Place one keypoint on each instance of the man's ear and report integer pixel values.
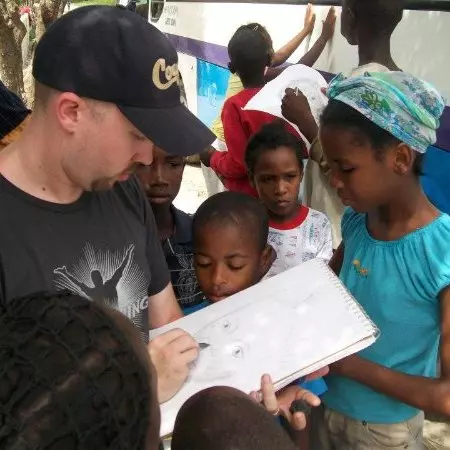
(268, 257)
(67, 106)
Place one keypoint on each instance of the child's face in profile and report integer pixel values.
(364, 180)
(277, 177)
(228, 259)
(162, 179)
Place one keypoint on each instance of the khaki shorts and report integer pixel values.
(331, 430)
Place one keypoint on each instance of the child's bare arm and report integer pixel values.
(337, 260)
(310, 57)
(283, 54)
(428, 394)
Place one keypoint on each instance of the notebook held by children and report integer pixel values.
(288, 326)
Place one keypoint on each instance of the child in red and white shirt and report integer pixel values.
(297, 233)
(250, 55)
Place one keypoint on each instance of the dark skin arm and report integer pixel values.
(337, 260)
(205, 156)
(310, 57)
(283, 54)
(296, 109)
(427, 394)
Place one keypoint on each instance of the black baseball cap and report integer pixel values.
(113, 55)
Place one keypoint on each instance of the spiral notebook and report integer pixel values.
(288, 326)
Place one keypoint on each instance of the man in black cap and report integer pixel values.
(73, 215)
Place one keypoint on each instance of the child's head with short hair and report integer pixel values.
(230, 244)
(265, 34)
(275, 165)
(74, 375)
(374, 132)
(375, 18)
(229, 419)
(162, 179)
(249, 54)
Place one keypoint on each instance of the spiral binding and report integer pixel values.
(351, 302)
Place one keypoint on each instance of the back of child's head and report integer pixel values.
(271, 137)
(223, 418)
(263, 30)
(249, 54)
(72, 377)
(375, 17)
(234, 209)
(386, 109)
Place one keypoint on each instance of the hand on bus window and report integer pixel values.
(329, 24)
(310, 19)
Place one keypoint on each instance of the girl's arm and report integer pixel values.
(285, 52)
(309, 58)
(428, 394)
(229, 164)
(337, 260)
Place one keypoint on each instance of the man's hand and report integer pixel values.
(329, 25)
(205, 157)
(310, 19)
(295, 108)
(171, 354)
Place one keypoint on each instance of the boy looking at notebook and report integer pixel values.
(275, 165)
(231, 252)
(161, 181)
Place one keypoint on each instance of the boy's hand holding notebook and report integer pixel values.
(289, 326)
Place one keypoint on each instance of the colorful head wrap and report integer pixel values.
(401, 104)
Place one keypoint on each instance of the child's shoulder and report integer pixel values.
(318, 216)
(182, 217)
(438, 232)
(183, 226)
(241, 98)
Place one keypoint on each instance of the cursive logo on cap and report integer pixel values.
(171, 74)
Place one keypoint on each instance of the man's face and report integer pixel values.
(104, 147)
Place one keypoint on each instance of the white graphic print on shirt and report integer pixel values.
(310, 239)
(110, 278)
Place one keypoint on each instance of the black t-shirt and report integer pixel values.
(104, 246)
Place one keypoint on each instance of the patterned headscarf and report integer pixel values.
(401, 104)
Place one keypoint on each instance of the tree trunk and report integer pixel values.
(46, 12)
(12, 32)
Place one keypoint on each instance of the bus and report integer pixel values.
(200, 31)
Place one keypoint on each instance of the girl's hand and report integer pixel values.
(295, 108)
(310, 19)
(329, 24)
(279, 404)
